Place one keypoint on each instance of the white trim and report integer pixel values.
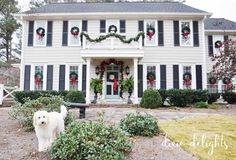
(44, 77)
(144, 77)
(158, 76)
(204, 55)
(22, 69)
(88, 62)
(220, 31)
(181, 76)
(35, 36)
(193, 71)
(145, 31)
(79, 25)
(67, 81)
(80, 77)
(135, 61)
(32, 82)
(191, 33)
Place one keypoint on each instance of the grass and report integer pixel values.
(206, 137)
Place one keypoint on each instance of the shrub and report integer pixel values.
(140, 124)
(200, 105)
(24, 112)
(230, 97)
(75, 97)
(90, 140)
(212, 97)
(163, 94)
(151, 99)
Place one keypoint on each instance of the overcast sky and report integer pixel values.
(219, 8)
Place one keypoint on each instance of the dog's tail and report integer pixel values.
(63, 111)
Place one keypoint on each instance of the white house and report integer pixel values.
(65, 45)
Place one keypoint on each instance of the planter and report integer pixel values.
(129, 100)
(95, 97)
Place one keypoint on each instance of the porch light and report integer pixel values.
(127, 71)
(97, 70)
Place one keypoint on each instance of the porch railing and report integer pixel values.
(7, 92)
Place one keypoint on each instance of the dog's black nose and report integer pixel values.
(42, 122)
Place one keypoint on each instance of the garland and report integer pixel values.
(38, 78)
(150, 32)
(185, 32)
(73, 78)
(74, 31)
(112, 29)
(121, 38)
(212, 80)
(218, 44)
(40, 32)
(151, 77)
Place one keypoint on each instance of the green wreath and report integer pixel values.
(38, 74)
(226, 79)
(73, 75)
(149, 74)
(40, 32)
(187, 74)
(111, 27)
(185, 31)
(212, 80)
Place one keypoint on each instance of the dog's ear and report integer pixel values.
(34, 119)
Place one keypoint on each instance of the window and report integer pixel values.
(40, 33)
(185, 34)
(212, 84)
(151, 33)
(122, 26)
(38, 78)
(187, 77)
(74, 30)
(151, 77)
(102, 26)
(74, 77)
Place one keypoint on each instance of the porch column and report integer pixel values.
(88, 81)
(135, 100)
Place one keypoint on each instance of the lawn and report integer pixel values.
(206, 137)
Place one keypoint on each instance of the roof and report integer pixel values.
(170, 7)
(219, 24)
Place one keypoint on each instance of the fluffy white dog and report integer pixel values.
(48, 125)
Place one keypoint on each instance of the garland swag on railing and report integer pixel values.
(120, 37)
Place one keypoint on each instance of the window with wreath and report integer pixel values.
(185, 34)
(40, 33)
(74, 70)
(38, 78)
(212, 83)
(187, 77)
(74, 32)
(151, 33)
(151, 77)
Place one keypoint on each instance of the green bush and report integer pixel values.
(230, 97)
(200, 105)
(212, 97)
(92, 141)
(140, 124)
(24, 112)
(75, 97)
(151, 99)
(186, 97)
(163, 94)
(24, 96)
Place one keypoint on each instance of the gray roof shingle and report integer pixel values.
(219, 24)
(171, 7)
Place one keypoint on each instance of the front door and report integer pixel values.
(112, 82)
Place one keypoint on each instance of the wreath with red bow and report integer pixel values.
(185, 32)
(150, 32)
(73, 78)
(218, 44)
(187, 77)
(40, 32)
(38, 78)
(74, 31)
(151, 77)
(212, 80)
(112, 28)
(227, 82)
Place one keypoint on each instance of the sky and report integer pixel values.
(219, 8)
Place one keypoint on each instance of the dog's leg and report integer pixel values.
(41, 144)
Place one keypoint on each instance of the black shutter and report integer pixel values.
(195, 34)
(199, 76)
(62, 74)
(160, 33)
(141, 28)
(85, 25)
(176, 76)
(27, 78)
(31, 33)
(49, 34)
(140, 80)
(210, 45)
(176, 33)
(102, 26)
(163, 76)
(84, 72)
(65, 33)
(49, 77)
(122, 26)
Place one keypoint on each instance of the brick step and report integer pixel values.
(113, 105)
(8, 102)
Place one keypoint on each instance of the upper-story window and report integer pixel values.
(112, 26)
(102, 26)
(74, 32)
(186, 33)
(40, 33)
(151, 33)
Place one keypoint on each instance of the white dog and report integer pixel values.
(48, 125)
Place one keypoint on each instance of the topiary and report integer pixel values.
(151, 99)
(230, 97)
(91, 140)
(75, 97)
(212, 97)
(140, 124)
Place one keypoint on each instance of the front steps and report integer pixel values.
(8, 102)
(114, 105)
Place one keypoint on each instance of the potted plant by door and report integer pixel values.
(96, 86)
(128, 85)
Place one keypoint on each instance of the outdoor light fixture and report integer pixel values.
(97, 70)
(127, 71)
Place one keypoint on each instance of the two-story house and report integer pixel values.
(161, 44)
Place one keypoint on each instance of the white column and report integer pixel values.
(45, 77)
(1, 93)
(32, 81)
(135, 81)
(80, 77)
(204, 54)
(144, 77)
(67, 77)
(180, 76)
(88, 81)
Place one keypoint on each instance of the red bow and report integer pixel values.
(151, 80)
(115, 85)
(185, 34)
(227, 84)
(73, 81)
(150, 34)
(38, 81)
(188, 82)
